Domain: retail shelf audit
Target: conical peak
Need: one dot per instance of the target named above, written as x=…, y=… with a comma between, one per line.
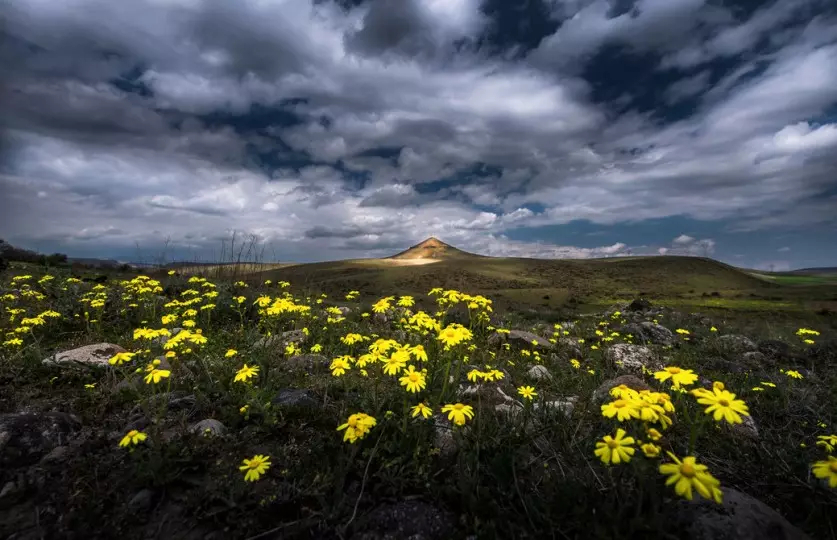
x=431, y=242
x=431, y=248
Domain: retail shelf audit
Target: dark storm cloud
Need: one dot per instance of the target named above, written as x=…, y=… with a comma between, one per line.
x=345, y=125
x=393, y=26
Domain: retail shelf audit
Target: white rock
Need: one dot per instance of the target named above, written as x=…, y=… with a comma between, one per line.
x=539, y=372
x=90, y=355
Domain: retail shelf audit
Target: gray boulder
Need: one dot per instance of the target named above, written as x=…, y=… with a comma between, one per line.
x=649, y=332
x=602, y=393
x=96, y=355
x=529, y=340
x=632, y=357
x=538, y=372
x=521, y=339
x=736, y=343
x=208, y=427
x=740, y=517
x=565, y=406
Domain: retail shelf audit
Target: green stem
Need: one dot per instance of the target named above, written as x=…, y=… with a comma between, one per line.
x=404, y=415
x=444, y=384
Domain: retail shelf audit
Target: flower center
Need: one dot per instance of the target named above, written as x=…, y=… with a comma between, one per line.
x=674, y=370
x=458, y=406
x=687, y=470
x=613, y=444
x=833, y=467
x=723, y=402
x=414, y=377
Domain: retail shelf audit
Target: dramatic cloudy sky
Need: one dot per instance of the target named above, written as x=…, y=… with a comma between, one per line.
x=352, y=128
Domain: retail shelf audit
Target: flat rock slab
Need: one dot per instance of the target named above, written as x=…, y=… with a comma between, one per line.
x=528, y=339
x=98, y=355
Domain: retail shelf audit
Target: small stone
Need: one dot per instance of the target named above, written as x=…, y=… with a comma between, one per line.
x=56, y=455
x=7, y=490
x=141, y=501
x=208, y=428
x=509, y=409
x=539, y=372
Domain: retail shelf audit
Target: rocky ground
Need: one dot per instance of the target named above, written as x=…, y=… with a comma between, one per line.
x=521, y=469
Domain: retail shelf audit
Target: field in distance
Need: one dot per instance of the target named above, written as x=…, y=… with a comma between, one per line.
x=551, y=284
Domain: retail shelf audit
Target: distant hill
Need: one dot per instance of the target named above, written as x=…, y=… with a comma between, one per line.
x=519, y=282
x=432, y=248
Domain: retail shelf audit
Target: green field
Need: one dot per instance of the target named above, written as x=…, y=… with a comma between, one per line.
x=799, y=279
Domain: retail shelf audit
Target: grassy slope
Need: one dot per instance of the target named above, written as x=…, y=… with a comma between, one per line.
x=549, y=284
